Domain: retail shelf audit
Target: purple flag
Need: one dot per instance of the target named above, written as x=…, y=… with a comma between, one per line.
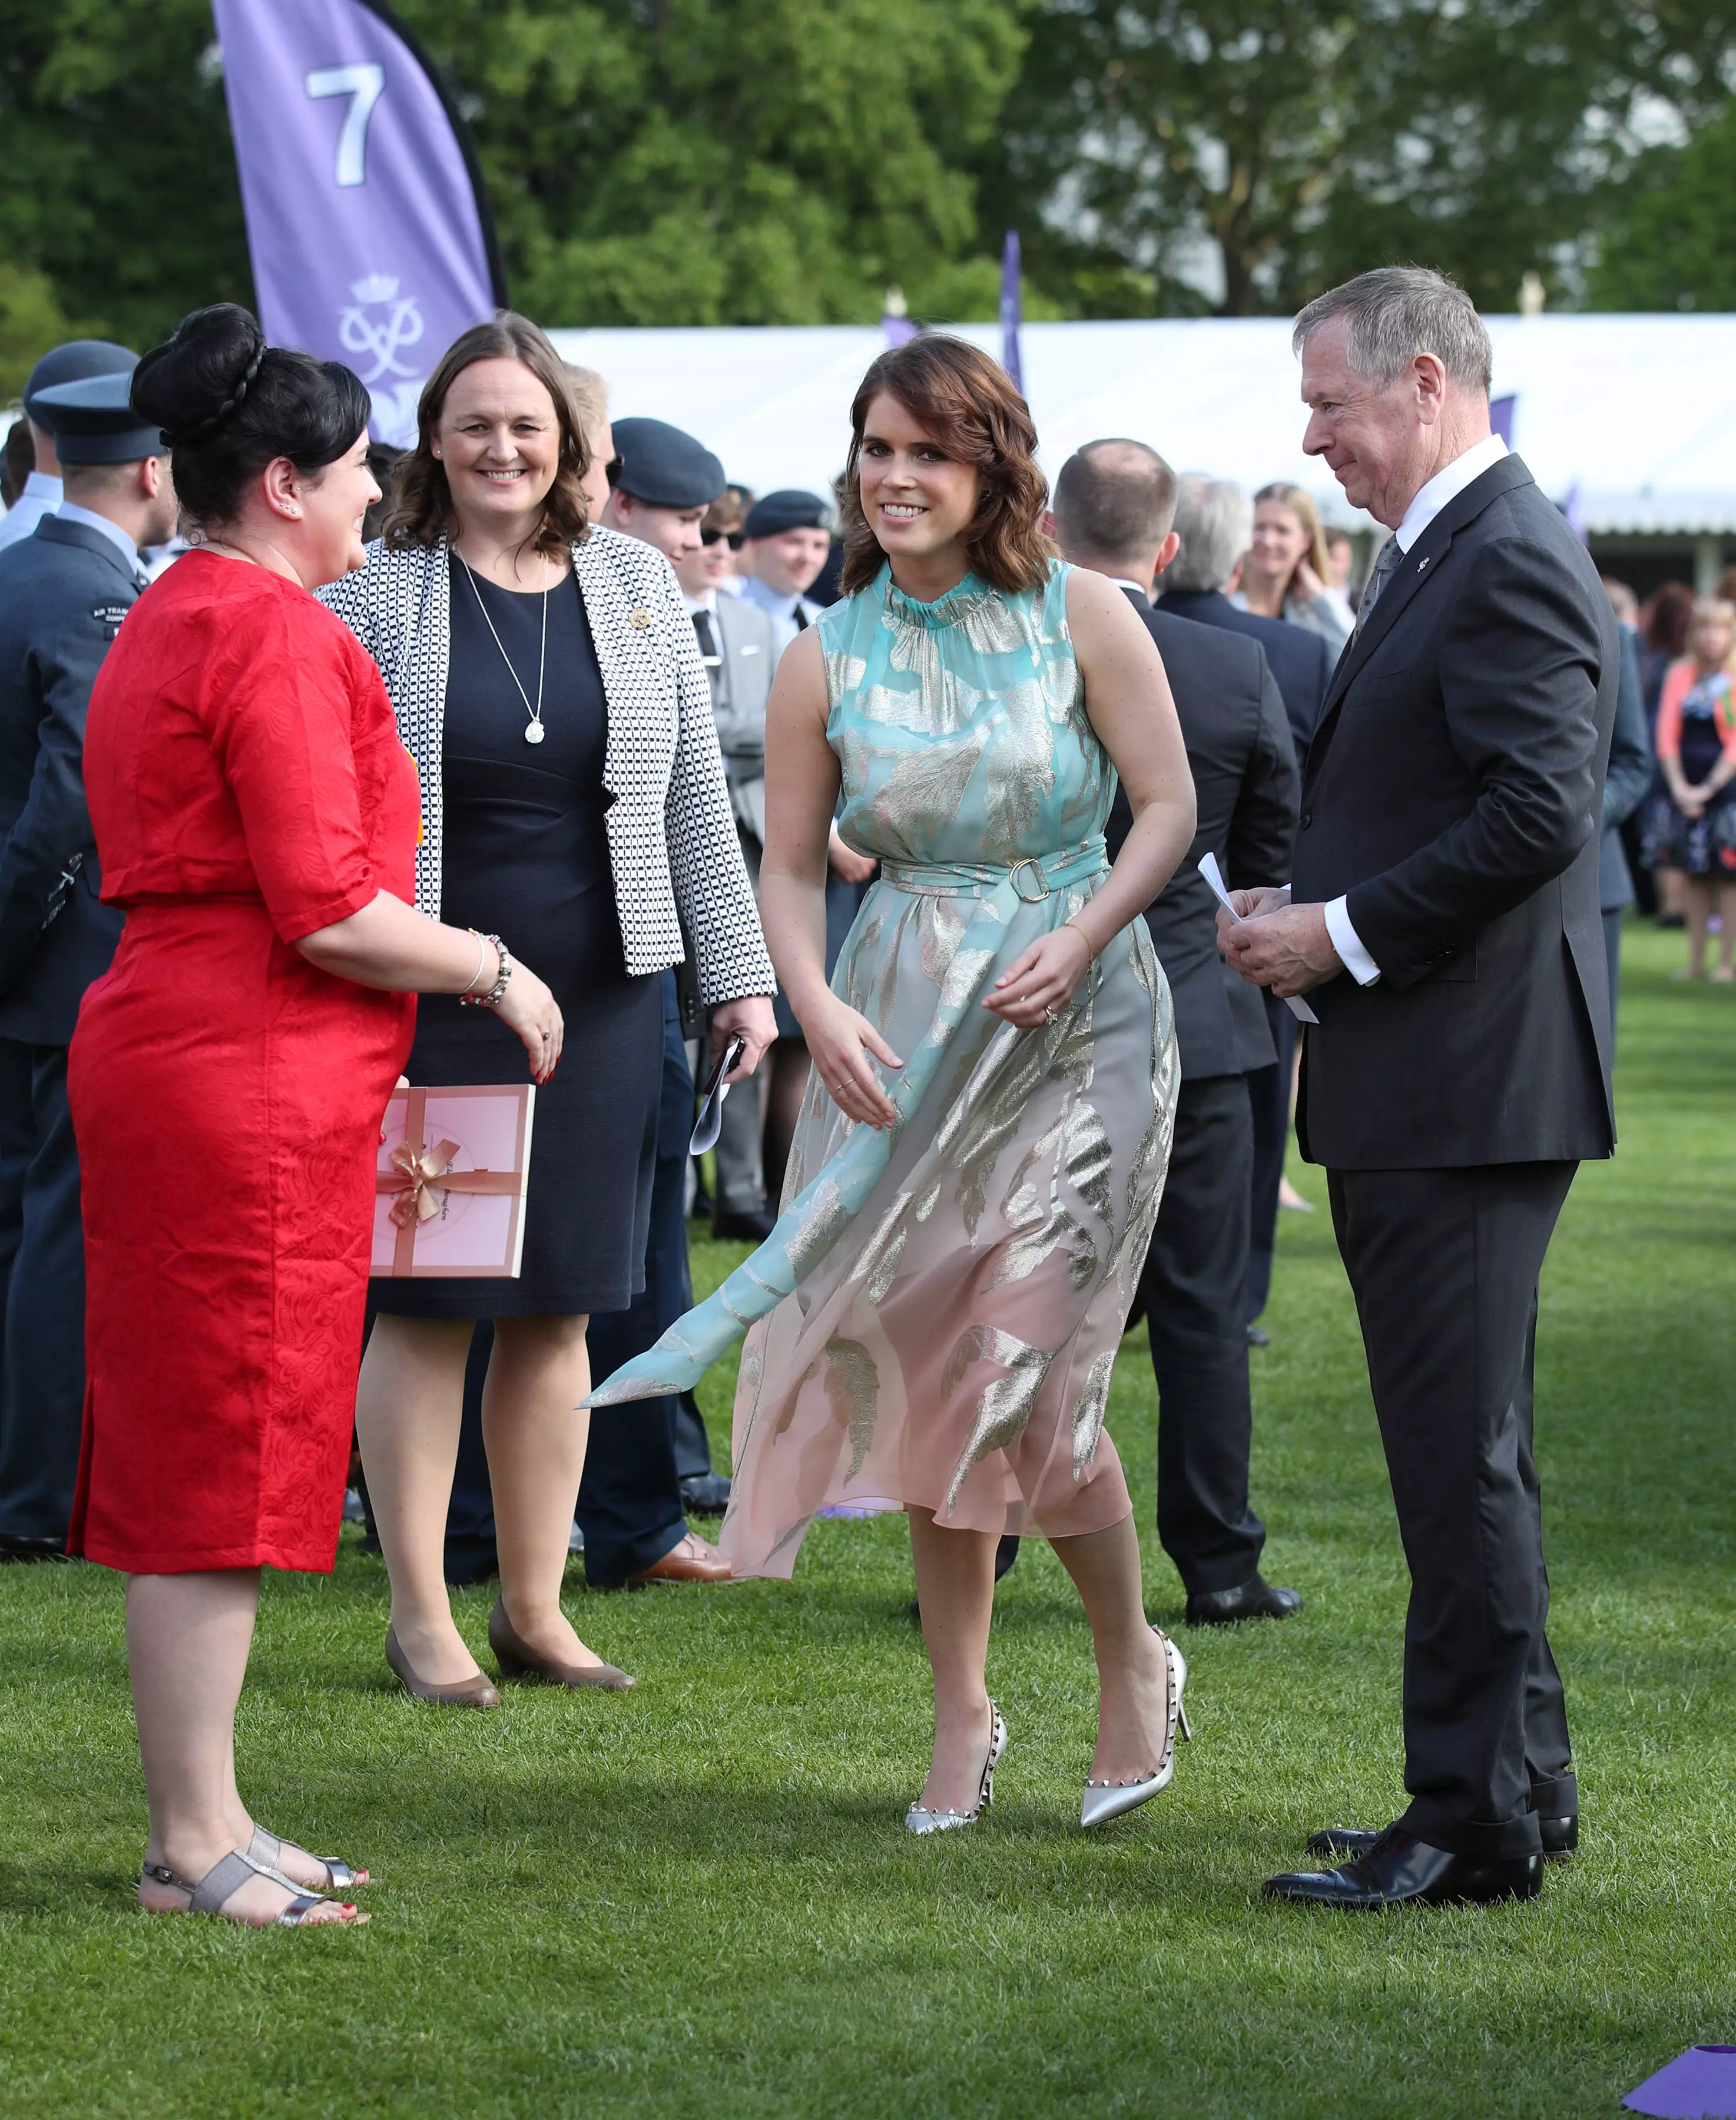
x=1501, y=416
x=1012, y=310
x=367, y=219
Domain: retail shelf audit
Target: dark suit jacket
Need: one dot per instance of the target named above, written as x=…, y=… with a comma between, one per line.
x=1246, y=784
x=1301, y=661
x=1632, y=767
x=1454, y=791
x=63, y=592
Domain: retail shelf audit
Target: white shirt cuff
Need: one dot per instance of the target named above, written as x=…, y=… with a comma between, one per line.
x=1348, y=944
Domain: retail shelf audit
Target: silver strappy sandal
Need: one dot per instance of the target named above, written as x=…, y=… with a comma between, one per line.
x=267, y=1850
x=223, y=1880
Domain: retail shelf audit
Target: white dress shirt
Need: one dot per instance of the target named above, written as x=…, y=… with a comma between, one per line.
x=42, y=495
x=1426, y=503
x=69, y=511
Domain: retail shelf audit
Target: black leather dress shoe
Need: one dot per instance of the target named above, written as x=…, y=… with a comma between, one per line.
x=13, y=1547
x=749, y=1229
x=705, y=1495
x=1255, y=1599
x=1401, y=1870
x=1560, y=1838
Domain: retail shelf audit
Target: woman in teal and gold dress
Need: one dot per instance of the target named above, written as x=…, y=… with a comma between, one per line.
x=980, y=1155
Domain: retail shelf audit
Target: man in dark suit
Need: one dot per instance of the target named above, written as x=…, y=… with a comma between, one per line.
x=1114, y=505
x=64, y=593
x=1445, y=922
x=1214, y=520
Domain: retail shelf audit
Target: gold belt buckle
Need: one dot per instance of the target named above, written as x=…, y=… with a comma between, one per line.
x=1012, y=877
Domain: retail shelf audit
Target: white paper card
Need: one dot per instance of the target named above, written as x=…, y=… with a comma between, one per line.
x=1214, y=876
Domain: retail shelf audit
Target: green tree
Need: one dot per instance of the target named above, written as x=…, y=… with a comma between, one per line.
x=1666, y=238
x=1170, y=154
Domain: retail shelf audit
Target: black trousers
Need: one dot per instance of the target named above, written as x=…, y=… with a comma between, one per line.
x=42, y=1267
x=1191, y=1292
x=1444, y=1266
x=1268, y=1093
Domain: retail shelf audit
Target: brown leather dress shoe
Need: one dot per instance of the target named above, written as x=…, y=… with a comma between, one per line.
x=691, y=1560
x=518, y=1659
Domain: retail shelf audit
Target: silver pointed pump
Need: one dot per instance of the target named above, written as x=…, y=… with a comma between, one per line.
x=916, y=1820
x=1104, y=1801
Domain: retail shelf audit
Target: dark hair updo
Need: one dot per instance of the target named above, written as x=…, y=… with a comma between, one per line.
x=228, y=405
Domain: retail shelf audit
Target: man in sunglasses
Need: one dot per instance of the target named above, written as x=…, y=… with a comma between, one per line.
x=740, y=648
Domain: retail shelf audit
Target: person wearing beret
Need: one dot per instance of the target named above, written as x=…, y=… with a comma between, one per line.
x=64, y=591
x=547, y=683
x=787, y=542
x=77, y=362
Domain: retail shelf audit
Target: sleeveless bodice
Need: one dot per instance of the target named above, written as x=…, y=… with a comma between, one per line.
x=960, y=725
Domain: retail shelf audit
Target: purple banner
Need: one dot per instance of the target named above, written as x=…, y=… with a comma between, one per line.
x=367, y=220
x=1012, y=307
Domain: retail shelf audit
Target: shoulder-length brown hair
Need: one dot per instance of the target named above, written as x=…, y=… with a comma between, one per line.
x=969, y=406
x=421, y=511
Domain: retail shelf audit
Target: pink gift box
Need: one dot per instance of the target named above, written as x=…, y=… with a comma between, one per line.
x=454, y=1165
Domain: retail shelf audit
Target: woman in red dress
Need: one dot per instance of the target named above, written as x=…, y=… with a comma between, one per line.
x=256, y=816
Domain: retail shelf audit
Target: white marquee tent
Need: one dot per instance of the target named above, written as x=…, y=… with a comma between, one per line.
x=1637, y=412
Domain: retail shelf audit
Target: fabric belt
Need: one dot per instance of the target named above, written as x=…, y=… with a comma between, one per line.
x=1032, y=878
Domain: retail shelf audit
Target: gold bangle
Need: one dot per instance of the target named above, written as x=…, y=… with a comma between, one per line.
x=1090, y=954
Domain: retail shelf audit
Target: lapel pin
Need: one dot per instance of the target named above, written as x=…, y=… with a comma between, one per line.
x=1423, y=563
x=641, y=619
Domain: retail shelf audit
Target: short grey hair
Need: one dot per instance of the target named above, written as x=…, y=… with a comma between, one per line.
x=1214, y=519
x=1397, y=312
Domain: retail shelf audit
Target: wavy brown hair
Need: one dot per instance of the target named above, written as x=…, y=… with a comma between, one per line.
x=421, y=511
x=967, y=403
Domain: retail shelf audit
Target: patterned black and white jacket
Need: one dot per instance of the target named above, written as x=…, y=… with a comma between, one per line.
x=672, y=833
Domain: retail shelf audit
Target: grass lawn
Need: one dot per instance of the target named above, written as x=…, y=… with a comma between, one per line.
x=698, y=1899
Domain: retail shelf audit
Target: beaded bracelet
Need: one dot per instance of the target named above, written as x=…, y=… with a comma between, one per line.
x=495, y=994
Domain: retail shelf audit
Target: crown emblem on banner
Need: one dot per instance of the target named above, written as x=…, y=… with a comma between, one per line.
x=377, y=287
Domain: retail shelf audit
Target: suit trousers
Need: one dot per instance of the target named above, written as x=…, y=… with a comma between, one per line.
x=1191, y=1292
x=42, y=1354
x=741, y=1172
x=629, y=1505
x=1444, y=1264
x=1269, y=1091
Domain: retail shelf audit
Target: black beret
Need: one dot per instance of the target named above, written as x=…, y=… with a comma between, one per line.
x=788, y=510
x=76, y=362
x=93, y=422
x=664, y=467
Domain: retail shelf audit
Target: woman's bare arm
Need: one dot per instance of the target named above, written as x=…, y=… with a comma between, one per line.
x=801, y=794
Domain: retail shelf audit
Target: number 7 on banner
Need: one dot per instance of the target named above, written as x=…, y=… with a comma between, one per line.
x=1214, y=876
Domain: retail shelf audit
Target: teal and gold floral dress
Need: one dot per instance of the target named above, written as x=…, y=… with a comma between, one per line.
x=934, y=1319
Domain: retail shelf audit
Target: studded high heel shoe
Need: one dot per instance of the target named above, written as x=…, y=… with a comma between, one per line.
x=1107, y=1800
x=916, y=1820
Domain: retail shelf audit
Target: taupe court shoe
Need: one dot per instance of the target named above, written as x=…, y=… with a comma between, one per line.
x=916, y=1820
x=518, y=1659
x=475, y=1692
x=1107, y=1800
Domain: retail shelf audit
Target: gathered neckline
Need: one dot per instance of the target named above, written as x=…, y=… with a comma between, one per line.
x=959, y=603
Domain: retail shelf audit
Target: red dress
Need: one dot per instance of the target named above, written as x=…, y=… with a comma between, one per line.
x=247, y=786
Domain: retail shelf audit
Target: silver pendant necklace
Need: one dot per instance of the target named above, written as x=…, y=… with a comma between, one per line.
x=533, y=731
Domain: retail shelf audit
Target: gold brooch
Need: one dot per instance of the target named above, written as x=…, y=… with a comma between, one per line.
x=641, y=619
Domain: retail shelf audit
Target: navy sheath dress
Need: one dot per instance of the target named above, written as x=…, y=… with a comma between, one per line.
x=526, y=856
